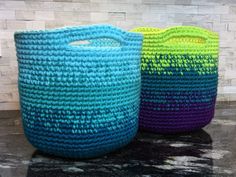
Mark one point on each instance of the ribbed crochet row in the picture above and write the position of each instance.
(79, 99)
(179, 78)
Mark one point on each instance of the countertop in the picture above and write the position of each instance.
(207, 152)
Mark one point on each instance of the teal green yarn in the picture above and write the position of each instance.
(79, 88)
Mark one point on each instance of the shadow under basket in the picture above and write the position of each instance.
(79, 88)
(179, 78)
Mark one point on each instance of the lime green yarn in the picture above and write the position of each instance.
(200, 46)
(147, 30)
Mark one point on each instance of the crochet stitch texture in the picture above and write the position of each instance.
(179, 78)
(79, 100)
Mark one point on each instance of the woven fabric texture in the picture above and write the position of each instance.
(179, 78)
(79, 88)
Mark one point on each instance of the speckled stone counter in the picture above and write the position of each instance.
(207, 152)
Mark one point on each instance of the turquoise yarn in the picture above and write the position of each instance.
(79, 99)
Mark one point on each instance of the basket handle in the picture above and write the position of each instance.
(94, 32)
(187, 36)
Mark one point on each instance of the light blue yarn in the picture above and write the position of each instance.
(79, 100)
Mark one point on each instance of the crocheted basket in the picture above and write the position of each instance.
(179, 78)
(79, 88)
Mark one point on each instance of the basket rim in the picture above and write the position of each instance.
(154, 30)
(79, 27)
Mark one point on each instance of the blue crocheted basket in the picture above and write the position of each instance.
(79, 88)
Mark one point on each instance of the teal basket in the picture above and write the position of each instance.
(79, 88)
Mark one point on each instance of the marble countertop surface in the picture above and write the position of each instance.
(207, 152)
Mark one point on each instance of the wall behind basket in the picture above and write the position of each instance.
(217, 15)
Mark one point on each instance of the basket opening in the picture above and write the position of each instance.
(188, 40)
(97, 42)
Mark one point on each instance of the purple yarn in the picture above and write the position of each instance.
(184, 118)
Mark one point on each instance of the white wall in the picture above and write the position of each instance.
(217, 15)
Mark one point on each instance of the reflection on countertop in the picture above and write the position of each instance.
(207, 152)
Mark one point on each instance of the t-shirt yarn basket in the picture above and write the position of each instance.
(79, 88)
(179, 78)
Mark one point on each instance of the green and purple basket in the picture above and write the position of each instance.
(179, 78)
